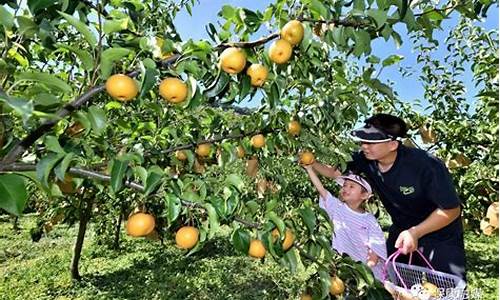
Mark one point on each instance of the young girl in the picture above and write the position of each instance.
(356, 232)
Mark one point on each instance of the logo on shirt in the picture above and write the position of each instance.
(407, 190)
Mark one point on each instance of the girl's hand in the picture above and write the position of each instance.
(372, 258)
(307, 167)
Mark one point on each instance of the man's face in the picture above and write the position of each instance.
(378, 151)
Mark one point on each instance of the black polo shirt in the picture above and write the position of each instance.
(415, 185)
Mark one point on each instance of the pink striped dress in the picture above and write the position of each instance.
(354, 232)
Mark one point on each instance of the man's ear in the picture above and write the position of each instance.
(393, 145)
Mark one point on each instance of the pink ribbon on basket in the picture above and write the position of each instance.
(392, 258)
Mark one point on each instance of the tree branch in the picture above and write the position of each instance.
(344, 22)
(263, 40)
(436, 10)
(79, 172)
(33, 136)
(239, 110)
(213, 140)
(248, 44)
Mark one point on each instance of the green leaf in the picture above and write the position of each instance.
(362, 41)
(97, 119)
(403, 8)
(392, 59)
(82, 28)
(148, 81)
(6, 18)
(173, 204)
(62, 167)
(358, 7)
(241, 240)
(52, 144)
(45, 166)
(434, 15)
(222, 82)
(111, 26)
(339, 37)
(309, 218)
(290, 260)
(397, 39)
(154, 177)
(36, 5)
(118, 170)
(213, 220)
(319, 9)
(49, 80)
(141, 172)
(273, 96)
(280, 224)
(252, 206)
(109, 56)
(227, 12)
(373, 59)
(409, 19)
(325, 281)
(84, 56)
(383, 88)
(14, 193)
(245, 87)
(23, 107)
(27, 27)
(383, 4)
(380, 16)
(236, 181)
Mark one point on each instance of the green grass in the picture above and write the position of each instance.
(144, 269)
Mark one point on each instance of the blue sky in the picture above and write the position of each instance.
(408, 88)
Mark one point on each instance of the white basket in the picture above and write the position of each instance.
(402, 277)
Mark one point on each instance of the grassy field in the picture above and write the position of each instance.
(144, 269)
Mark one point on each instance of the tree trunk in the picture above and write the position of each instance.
(15, 224)
(116, 243)
(82, 227)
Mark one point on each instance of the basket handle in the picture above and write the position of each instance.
(392, 259)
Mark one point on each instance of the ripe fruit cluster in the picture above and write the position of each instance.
(142, 225)
(233, 59)
(123, 88)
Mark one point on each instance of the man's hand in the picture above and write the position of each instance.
(407, 241)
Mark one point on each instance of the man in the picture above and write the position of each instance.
(415, 188)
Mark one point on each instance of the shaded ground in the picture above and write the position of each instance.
(146, 270)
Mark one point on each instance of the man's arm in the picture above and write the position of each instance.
(439, 218)
(326, 170)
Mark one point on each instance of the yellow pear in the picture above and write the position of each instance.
(289, 238)
(306, 158)
(258, 141)
(240, 151)
(257, 249)
(492, 214)
(122, 87)
(294, 128)
(292, 32)
(203, 150)
(305, 297)
(337, 286)
(180, 155)
(258, 74)
(233, 60)
(173, 90)
(280, 51)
